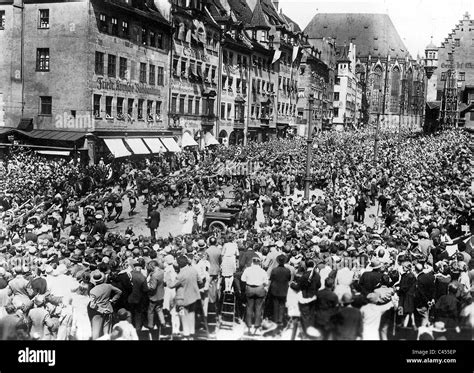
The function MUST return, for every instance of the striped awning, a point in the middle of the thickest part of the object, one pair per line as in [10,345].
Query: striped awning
[117,148]
[170,144]
[155,145]
[138,146]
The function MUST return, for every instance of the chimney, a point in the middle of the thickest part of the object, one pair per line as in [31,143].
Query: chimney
[276,4]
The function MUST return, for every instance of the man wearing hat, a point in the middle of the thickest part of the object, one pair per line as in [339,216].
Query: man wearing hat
[280,278]
[154,218]
[347,322]
[99,226]
[187,294]
[102,298]
[371,278]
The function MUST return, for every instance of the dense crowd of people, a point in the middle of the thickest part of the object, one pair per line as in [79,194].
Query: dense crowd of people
[317,268]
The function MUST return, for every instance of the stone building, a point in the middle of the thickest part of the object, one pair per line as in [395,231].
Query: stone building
[391,80]
[456,52]
[86,67]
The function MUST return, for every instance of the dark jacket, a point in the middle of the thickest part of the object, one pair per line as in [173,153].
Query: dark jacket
[155,218]
[369,281]
[326,306]
[347,324]
[99,227]
[310,283]
[280,281]
[139,288]
[245,260]
[425,289]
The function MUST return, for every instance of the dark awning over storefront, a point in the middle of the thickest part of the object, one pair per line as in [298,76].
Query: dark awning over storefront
[54,135]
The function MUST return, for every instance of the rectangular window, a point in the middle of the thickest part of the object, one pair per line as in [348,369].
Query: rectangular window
[336,111]
[161,75]
[46,105]
[337,81]
[111,66]
[114,22]
[119,106]
[174,100]
[181,103]
[140,108]
[152,39]
[224,81]
[443,76]
[151,77]
[183,67]
[125,29]
[462,77]
[190,105]
[149,110]
[230,83]
[130,107]
[457,42]
[204,107]
[213,75]
[97,106]
[43,18]
[158,110]
[222,110]
[2,20]
[244,62]
[175,66]
[142,72]
[244,87]
[336,96]
[123,68]
[108,107]
[144,36]
[238,85]
[42,59]
[252,111]
[229,110]
[197,105]
[103,27]
[159,41]
[99,63]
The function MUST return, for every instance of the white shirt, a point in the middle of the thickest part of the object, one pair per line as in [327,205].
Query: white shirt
[254,276]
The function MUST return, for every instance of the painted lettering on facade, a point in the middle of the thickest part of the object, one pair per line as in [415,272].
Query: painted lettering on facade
[110,85]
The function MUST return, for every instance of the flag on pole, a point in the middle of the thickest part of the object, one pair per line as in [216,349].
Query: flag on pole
[276,56]
[296,50]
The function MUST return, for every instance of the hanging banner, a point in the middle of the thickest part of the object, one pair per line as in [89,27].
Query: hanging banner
[296,49]
[276,56]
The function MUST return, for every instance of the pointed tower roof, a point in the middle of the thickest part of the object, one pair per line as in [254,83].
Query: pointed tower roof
[258,19]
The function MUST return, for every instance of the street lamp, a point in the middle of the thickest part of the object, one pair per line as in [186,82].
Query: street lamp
[309,147]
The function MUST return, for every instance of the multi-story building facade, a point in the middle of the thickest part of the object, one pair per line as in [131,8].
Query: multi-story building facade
[313,80]
[85,66]
[195,72]
[391,80]
[345,88]
[199,71]
[455,58]
[326,48]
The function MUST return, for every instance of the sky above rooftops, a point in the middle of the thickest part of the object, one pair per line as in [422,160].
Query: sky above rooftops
[415,20]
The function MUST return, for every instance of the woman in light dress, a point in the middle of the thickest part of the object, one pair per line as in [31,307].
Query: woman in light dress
[187,218]
[81,328]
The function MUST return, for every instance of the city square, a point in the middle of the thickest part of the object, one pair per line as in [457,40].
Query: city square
[209,170]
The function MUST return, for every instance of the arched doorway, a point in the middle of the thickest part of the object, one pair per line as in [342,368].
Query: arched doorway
[232,138]
[223,137]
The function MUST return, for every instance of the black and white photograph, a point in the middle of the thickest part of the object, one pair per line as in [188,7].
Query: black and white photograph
[185,173]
